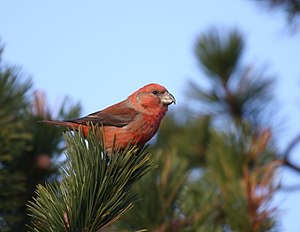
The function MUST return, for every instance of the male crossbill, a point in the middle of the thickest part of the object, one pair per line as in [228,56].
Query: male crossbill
[134,120]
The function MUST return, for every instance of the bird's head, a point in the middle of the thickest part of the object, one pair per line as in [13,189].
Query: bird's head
[153,96]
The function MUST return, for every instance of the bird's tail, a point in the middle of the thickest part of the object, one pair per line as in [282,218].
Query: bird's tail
[67,124]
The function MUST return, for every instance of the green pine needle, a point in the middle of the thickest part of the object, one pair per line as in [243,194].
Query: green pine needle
[95,187]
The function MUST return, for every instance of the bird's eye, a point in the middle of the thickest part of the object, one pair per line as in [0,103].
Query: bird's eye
[155,92]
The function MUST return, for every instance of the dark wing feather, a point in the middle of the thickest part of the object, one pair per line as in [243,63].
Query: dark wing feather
[111,116]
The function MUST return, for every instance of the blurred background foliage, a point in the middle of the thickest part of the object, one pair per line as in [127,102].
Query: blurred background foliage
[291,8]
[29,150]
[220,163]
[216,166]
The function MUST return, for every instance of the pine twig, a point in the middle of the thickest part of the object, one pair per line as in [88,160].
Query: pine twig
[286,161]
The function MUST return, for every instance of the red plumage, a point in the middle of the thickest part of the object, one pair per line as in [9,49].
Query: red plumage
[134,120]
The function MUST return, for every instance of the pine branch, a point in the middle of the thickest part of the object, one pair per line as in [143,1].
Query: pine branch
[158,210]
[95,187]
[239,91]
[243,170]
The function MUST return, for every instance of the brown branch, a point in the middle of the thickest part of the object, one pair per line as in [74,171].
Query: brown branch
[291,146]
[285,161]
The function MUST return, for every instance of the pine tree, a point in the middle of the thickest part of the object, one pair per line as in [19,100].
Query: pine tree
[240,160]
[14,142]
[220,165]
[28,149]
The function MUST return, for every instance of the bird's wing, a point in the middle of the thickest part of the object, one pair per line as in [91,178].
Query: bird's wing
[118,116]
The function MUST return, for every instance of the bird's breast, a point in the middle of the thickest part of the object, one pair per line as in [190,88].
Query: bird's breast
[137,132]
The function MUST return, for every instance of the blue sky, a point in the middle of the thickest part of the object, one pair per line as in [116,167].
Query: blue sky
[99,52]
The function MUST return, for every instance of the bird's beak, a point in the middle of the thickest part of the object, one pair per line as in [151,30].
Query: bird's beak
[167,98]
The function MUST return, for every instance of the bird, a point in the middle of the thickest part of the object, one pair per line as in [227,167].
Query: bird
[133,121]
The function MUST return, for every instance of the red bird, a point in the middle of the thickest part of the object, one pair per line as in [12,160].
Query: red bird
[134,120]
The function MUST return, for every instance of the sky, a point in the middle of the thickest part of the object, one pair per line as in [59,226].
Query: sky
[98,52]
